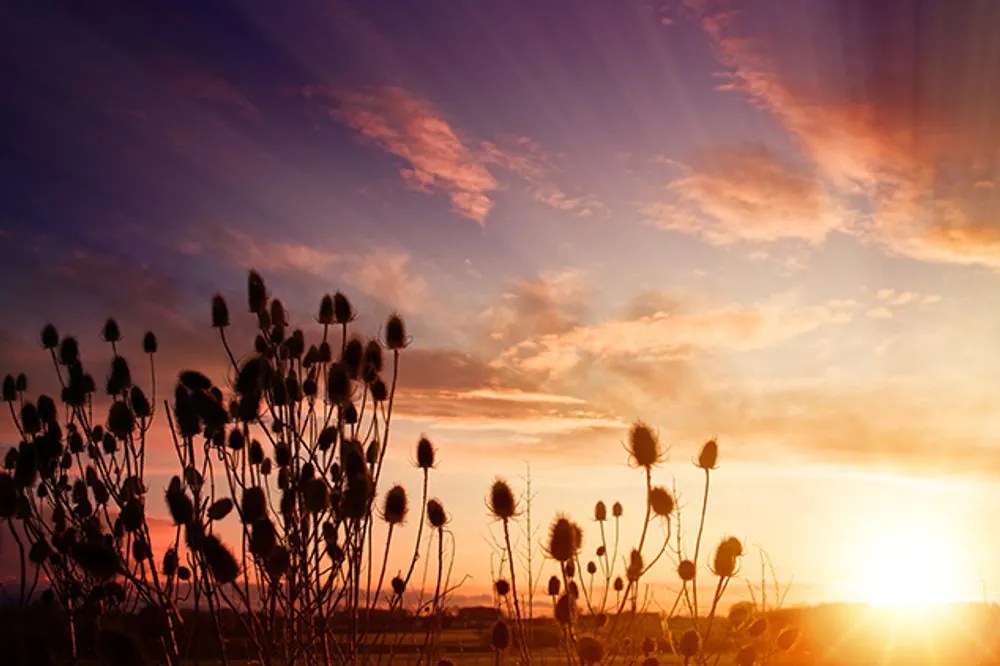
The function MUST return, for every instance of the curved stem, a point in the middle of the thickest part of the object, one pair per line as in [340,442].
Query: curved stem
[697,545]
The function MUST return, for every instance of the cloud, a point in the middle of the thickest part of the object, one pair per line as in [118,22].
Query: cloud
[552,302]
[440,158]
[383,273]
[746,194]
[870,128]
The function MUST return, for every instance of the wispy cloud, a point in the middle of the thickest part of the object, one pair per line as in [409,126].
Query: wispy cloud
[439,157]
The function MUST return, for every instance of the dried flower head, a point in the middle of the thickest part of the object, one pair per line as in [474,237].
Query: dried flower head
[50,337]
[149,344]
[220,312]
[745,656]
[564,540]
[591,568]
[501,501]
[644,446]
[219,559]
[619,584]
[436,515]
[724,563]
[343,313]
[600,512]
[564,609]
[661,501]
[554,585]
[501,636]
[690,644]
[635,566]
[256,293]
[398,586]
[758,627]
[616,509]
[709,455]
[590,650]
[110,332]
[253,505]
[395,506]
[739,613]
[395,333]
[425,453]
[325,315]
[686,570]
[502,587]
[180,505]
[787,638]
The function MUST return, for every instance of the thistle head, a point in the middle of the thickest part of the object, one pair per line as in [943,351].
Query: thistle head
[425,453]
[395,507]
[256,293]
[600,512]
[325,315]
[554,585]
[395,333]
[343,313]
[709,455]
[436,515]
[745,656]
[635,566]
[644,446]
[502,587]
[501,501]
[149,343]
[220,312]
[724,563]
[110,331]
[686,570]
[661,501]
[49,337]
[564,540]
[398,586]
[219,559]
[591,568]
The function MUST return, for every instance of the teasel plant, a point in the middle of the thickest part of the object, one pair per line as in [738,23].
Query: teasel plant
[73,492]
[293,445]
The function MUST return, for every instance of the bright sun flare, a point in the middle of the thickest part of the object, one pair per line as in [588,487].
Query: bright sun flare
[909,565]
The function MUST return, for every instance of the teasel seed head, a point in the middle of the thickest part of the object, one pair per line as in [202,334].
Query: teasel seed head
[180,505]
[398,586]
[9,389]
[564,609]
[256,293]
[644,446]
[709,455]
[110,332]
[661,501]
[69,351]
[436,515]
[570,569]
[564,540]
[338,384]
[395,333]
[601,550]
[600,512]
[745,656]
[501,501]
[50,337]
[253,505]
[279,318]
[690,644]
[425,453]
[619,584]
[554,585]
[591,568]
[635,566]
[343,312]
[149,343]
[379,391]
[590,650]
[502,587]
[220,312]
[758,627]
[787,638]
[395,507]
[616,509]
[686,570]
[501,636]
[739,613]
[219,559]
[724,564]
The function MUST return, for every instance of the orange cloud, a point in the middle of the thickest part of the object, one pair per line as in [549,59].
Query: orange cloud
[746,194]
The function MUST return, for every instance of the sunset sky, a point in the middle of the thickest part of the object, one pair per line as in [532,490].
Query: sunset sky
[774,223]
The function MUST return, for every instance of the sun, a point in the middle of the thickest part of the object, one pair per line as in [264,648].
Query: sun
[909,564]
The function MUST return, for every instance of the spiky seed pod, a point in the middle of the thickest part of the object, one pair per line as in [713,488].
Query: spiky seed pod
[255,453]
[278,315]
[648,645]
[436,515]
[338,384]
[97,557]
[709,455]
[590,650]
[21,382]
[600,512]
[256,293]
[253,505]
[501,636]
[357,497]
[69,351]
[591,568]
[111,332]
[343,313]
[644,446]
[600,619]
[395,506]
[735,546]
[619,584]
[787,638]
[141,550]
[278,562]
[373,356]
[170,562]
[354,352]
[661,501]
[50,337]
[40,551]
[327,438]
[686,570]
[726,554]
[120,377]
[9,389]
[316,495]
[180,505]
[325,315]
[220,509]
[501,587]
[554,585]
[30,422]
[564,540]
[236,439]
[501,500]
[263,538]
[572,589]
[616,509]
[758,627]
[379,391]
[140,404]
[739,613]
[132,515]
[601,550]
[398,586]
[564,609]
[149,344]
[371,453]
[219,559]
[220,312]
[425,453]
[183,573]
[121,420]
[746,656]
[395,333]
[690,644]
[282,454]
[47,410]
[570,569]
[635,566]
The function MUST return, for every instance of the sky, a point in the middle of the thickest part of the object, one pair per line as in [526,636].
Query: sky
[773,223]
